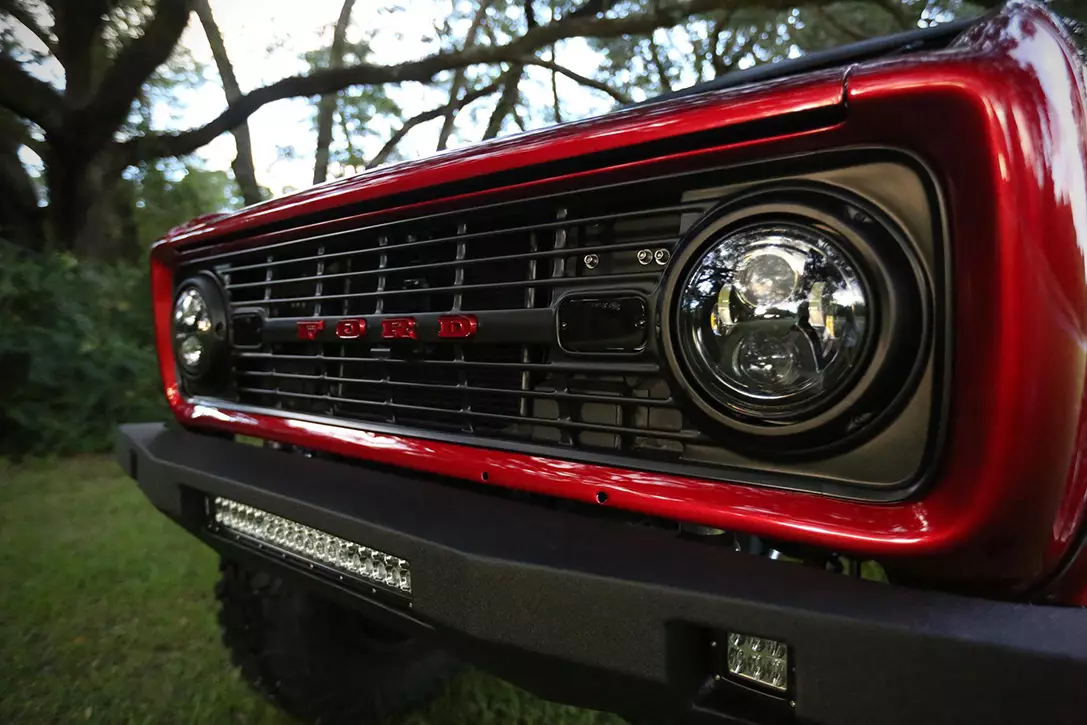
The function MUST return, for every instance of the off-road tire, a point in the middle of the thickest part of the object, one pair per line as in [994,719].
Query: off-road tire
[317,660]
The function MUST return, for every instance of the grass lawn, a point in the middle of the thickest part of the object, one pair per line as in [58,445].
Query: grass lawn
[107,616]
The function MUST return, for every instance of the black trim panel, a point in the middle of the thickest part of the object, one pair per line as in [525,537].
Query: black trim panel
[505,326]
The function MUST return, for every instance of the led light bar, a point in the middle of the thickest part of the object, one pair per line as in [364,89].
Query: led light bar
[343,557]
[760,660]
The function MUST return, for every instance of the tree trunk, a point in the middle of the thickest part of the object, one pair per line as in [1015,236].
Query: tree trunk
[326,107]
[80,201]
[457,84]
[244,171]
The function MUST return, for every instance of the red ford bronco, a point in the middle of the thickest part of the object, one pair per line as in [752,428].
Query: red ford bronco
[760,403]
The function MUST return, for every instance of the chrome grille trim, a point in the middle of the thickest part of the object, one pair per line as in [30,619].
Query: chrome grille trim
[619,368]
[383,294]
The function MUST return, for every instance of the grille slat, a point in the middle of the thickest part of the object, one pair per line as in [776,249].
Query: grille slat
[534,255]
[622,368]
[379,307]
[465,389]
[383,294]
[530,303]
[558,271]
[447,412]
[673,209]
[458,301]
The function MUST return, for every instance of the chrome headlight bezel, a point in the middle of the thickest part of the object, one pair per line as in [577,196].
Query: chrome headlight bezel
[898,324]
[211,332]
[739,308]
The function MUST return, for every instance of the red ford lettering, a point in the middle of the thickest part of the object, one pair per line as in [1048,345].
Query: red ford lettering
[396,328]
[457,326]
[349,329]
[308,329]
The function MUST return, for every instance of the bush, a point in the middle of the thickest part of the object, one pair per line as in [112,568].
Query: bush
[76,353]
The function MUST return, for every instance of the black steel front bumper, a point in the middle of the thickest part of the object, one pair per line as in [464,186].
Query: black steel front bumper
[612,616]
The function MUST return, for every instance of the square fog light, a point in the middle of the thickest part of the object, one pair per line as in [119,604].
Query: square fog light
[760,660]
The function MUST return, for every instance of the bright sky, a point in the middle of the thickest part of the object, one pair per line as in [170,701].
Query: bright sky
[265,46]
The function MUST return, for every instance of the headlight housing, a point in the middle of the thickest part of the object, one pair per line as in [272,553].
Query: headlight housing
[794,317]
[199,327]
[773,318]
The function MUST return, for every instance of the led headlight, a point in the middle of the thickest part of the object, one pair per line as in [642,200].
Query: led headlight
[192,325]
[794,314]
[199,326]
[772,317]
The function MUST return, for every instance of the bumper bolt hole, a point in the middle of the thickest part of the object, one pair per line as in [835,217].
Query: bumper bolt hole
[601,497]
[484,475]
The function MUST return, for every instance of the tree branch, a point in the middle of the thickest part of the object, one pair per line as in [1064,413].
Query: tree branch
[423,70]
[244,171]
[848,31]
[20,216]
[131,69]
[662,73]
[352,152]
[457,84]
[716,60]
[519,120]
[25,18]
[591,8]
[454,106]
[507,101]
[555,88]
[326,107]
[618,95]
[900,14]
[511,95]
[78,26]
[530,15]
[26,96]
[699,55]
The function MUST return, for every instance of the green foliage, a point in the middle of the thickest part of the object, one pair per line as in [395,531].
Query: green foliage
[76,353]
[155,198]
[108,617]
[357,108]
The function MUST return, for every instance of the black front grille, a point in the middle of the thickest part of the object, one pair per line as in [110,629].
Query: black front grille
[499,261]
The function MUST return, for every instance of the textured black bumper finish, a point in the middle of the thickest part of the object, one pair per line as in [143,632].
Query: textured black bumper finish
[612,616]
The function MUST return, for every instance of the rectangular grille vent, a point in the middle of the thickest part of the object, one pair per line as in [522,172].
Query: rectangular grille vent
[497,262]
